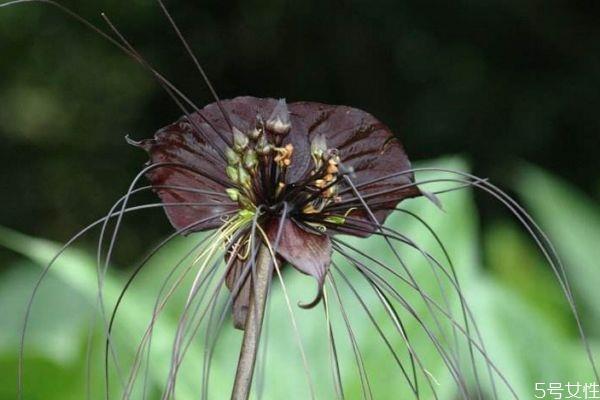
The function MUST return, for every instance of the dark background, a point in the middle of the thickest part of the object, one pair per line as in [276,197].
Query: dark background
[498,82]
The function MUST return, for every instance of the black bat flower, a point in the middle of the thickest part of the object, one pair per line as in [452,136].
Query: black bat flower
[275,182]
[306,170]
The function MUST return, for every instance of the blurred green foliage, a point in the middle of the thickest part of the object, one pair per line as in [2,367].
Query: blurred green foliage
[523,317]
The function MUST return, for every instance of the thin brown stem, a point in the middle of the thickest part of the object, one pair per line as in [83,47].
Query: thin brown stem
[252,331]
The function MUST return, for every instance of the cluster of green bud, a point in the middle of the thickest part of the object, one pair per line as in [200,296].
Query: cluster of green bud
[244,202]
[248,148]
[242,159]
[263,143]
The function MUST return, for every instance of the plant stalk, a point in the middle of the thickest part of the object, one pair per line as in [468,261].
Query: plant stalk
[252,330]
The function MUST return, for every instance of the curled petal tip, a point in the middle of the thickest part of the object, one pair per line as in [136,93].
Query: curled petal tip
[433,198]
[130,141]
[316,300]
[144,144]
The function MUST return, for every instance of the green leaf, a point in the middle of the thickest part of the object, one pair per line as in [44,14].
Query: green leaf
[572,221]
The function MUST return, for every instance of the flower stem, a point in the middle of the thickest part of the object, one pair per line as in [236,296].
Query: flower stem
[252,330]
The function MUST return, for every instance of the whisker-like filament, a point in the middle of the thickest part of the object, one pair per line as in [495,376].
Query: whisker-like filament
[394,293]
[404,267]
[399,326]
[128,284]
[204,282]
[105,36]
[196,63]
[378,329]
[46,269]
[211,341]
[542,241]
[162,300]
[172,91]
[102,270]
[391,234]
[364,377]
[333,354]
[88,357]
[447,359]
[457,286]
[210,276]
[427,297]
[371,277]
[232,227]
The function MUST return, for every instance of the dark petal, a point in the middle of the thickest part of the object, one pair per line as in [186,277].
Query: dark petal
[309,253]
[364,144]
[240,288]
[370,148]
[241,298]
[198,146]
[197,166]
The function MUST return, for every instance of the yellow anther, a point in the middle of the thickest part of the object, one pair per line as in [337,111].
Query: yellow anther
[349,211]
[309,209]
[284,154]
[280,187]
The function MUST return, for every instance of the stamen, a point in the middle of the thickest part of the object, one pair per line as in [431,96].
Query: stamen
[284,155]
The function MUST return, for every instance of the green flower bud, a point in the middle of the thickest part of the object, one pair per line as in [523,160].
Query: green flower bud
[244,177]
[254,134]
[232,173]
[250,159]
[262,146]
[318,146]
[246,214]
[240,141]
[233,194]
[335,219]
[233,158]
[245,203]
[259,128]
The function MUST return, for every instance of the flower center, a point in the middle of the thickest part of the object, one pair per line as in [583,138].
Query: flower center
[258,164]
